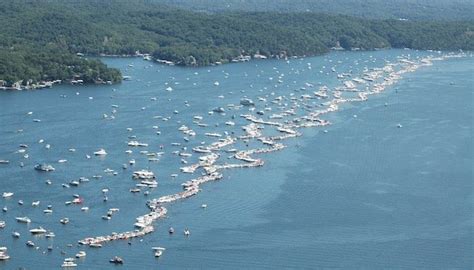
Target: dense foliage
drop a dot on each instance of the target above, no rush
(446, 10)
(39, 39)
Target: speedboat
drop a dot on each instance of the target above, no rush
(81, 254)
(7, 194)
(100, 152)
(158, 251)
(50, 235)
(16, 234)
(95, 245)
(143, 174)
(30, 243)
(44, 167)
(39, 230)
(116, 260)
(3, 254)
(23, 219)
(64, 220)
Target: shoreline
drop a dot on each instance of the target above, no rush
(148, 57)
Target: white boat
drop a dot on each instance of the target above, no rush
(64, 220)
(158, 251)
(7, 194)
(81, 254)
(68, 262)
(35, 203)
(4, 256)
(30, 243)
(143, 174)
(44, 167)
(50, 235)
(16, 234)
(39, 230)
(2, 224)
(100, 152)
(95, 245)
(136, 143)
(23, 219)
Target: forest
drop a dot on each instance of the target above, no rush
(45, 40)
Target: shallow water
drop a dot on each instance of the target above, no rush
(366, 194)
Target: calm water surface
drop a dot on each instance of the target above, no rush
(364, 195)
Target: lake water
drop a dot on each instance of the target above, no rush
(363, 195)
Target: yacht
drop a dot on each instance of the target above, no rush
(100, 152)
(39, 230)
(23, 219)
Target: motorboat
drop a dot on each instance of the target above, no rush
(50, 235)
(39, 230)
(100, 152)
(116, 260)
(81, 254)
(143, 174)
(158, 251)
(30, 243)
(23, 219)
(136, 143)
(2, 224)
(44, 167)
(95, 245)
(7, 194)
(16, 234)
(68, 262)
(3, 254)
(64, 220)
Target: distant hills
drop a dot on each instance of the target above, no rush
(43, 40)
(446, 10)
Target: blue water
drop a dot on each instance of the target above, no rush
(364, 195)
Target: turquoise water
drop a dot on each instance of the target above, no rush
(364, 195)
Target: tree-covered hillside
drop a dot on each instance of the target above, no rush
(446, 10)
(39, 39)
